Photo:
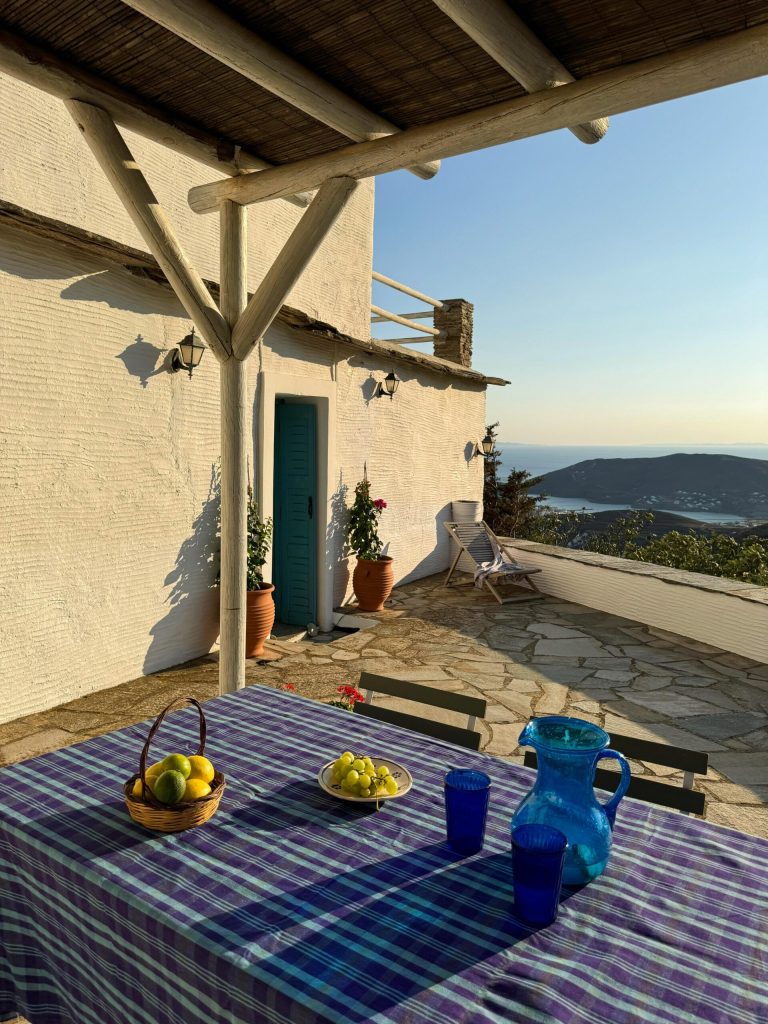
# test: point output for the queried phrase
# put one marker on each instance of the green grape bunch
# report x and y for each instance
(359, 776)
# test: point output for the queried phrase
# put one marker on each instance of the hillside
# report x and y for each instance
(685, 483)
(663, 522)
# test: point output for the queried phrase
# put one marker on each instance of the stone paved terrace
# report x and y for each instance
(542, 656)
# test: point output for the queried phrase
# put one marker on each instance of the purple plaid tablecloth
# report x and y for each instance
(291, 906)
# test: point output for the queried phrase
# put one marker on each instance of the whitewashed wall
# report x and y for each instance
(418, 447)
(723, 613)
(108, 463)
(45, 166)
(107, 470)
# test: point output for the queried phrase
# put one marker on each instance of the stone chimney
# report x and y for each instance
(454, 321)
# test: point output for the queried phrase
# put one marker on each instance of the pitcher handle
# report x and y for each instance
(626, 778)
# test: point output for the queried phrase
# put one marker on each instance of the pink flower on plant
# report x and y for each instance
(380, 504)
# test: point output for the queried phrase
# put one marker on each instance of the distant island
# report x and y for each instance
(687, 483)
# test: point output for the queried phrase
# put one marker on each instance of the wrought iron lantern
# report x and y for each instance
(188, 354)
(389, 385)
(485, 448)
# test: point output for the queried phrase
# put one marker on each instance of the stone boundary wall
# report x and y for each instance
(723, 613)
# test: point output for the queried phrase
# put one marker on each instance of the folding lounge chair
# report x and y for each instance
(484, 548)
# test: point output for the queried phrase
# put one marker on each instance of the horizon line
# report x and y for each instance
(636, 444)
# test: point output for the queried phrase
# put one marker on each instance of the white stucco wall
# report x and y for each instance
(726, 614)
(108, 463)
(107, 470)
(418, 447)
(45, 166)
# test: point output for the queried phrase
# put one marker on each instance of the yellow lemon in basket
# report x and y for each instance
(201, 768)
(153, 773)
(196, 788)
(169, 787)
(138, 790)
(176, 763)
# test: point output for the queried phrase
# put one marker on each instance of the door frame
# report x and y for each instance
(321, 394)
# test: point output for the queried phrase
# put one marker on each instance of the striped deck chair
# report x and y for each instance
(493, 563)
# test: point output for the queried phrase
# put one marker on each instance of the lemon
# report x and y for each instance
(138, 790)
(176, 763)
(201, 768)
(154, 770)
(196, 788)
(169, 787)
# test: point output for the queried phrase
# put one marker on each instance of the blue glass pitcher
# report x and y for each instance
(563, 797)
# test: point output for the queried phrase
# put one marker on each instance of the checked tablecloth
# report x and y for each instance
(292, 906)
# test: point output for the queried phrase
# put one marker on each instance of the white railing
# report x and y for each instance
(409, 320)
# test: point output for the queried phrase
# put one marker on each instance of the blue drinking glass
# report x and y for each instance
(538, 853)
(466, 806)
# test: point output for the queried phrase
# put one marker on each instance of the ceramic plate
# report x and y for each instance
(401, 775)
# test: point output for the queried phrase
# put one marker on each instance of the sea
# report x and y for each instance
(545, 458)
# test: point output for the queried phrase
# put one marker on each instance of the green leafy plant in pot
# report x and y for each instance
(373, 578)
(260, 606)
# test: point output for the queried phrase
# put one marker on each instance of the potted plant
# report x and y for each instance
(373, 577)
(260, 607)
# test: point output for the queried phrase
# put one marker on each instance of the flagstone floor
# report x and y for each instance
(544, 657)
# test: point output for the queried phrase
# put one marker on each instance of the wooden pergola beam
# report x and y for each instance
(505, 37)
(692, 69)
(115, 159)
(43, 70)
(301, 246)
(213, 31)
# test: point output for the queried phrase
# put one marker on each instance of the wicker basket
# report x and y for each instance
(176, 818)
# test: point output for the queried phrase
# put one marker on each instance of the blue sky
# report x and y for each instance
(621, 287)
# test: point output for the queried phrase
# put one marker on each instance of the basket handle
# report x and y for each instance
(145, 790)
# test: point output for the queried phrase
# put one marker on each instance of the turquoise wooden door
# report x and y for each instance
(294, 553)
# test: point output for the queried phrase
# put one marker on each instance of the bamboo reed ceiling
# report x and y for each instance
(402, 58)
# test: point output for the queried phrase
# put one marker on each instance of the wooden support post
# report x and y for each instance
(301, 246)
(115, 159)
(234, 443)
(691, 69)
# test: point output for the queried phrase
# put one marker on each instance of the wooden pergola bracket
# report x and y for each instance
(221, 36)
(691, 69)
(301, 246)
(505, 37)
(115, 159)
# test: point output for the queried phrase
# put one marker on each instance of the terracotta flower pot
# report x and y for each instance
(259, 619)
(372, 583)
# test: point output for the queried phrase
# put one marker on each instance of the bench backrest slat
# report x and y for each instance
(452, 733)
(431, 695)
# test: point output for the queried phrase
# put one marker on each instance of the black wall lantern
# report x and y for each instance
(485, 448)
(388, 386)
(188, 355)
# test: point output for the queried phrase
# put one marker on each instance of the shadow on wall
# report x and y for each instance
(144, 360)
(337, 564)
(440, 556)
(369, 389)
(191, 626)
(120, 289)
